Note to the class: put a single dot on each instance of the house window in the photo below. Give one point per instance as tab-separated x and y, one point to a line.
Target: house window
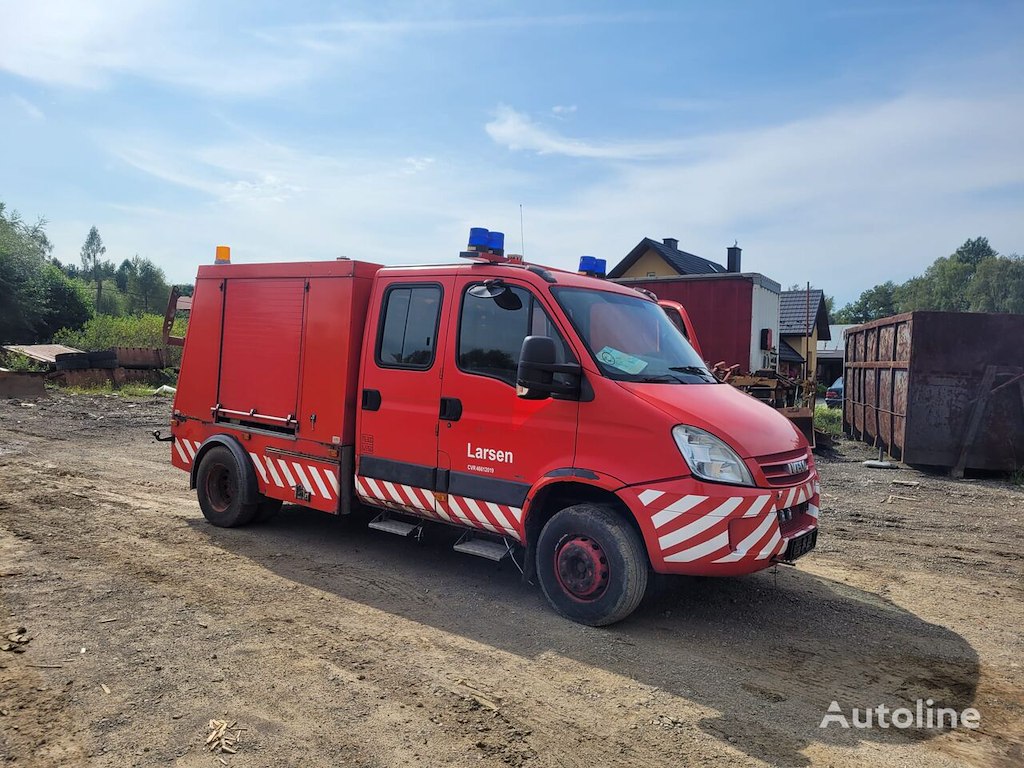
651	274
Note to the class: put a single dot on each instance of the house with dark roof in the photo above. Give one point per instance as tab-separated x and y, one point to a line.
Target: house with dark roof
803	322
735	314
653	259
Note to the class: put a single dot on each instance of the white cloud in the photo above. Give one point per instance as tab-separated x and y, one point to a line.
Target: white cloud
28	107
847	198
518	131
561	110
844	199
275	202
417	164
210	48
88	44
433	25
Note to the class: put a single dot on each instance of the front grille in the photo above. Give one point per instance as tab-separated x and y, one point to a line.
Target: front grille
775	467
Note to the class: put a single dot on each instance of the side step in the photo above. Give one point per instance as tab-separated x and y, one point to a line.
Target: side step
391	525
492	550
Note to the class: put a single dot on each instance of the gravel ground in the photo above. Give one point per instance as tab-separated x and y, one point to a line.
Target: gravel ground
333	645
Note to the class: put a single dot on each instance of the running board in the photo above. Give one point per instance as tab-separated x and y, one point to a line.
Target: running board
391	525
492	550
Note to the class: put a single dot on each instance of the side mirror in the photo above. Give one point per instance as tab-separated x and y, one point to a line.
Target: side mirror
535	376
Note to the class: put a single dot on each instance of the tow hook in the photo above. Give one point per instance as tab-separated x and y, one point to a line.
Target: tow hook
168	439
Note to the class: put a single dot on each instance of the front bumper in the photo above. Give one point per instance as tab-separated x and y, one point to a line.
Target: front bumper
705	529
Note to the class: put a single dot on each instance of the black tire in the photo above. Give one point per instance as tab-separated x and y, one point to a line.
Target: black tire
219	487
267	509
102	356
592	565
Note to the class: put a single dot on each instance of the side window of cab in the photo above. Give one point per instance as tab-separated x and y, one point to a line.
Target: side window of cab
492	329
407	335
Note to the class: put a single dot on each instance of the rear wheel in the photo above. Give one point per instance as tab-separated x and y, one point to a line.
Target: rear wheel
591	565
218	485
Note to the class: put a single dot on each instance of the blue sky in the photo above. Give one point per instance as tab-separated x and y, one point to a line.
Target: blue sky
840	144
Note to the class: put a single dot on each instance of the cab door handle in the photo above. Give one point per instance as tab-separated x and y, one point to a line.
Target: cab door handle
451	409
371	400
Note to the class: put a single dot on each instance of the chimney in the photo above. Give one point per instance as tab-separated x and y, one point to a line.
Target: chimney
733	258
672	243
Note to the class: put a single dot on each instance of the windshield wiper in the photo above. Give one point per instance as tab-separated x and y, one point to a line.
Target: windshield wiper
660	378
696	370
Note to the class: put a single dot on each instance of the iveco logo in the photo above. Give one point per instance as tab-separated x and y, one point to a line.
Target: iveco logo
796	467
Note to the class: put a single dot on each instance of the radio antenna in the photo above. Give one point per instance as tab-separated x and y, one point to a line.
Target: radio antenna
522	235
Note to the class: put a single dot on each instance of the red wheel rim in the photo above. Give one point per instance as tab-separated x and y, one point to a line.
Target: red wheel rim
219	489
581	568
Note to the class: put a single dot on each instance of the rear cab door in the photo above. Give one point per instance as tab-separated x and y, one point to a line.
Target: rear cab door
400	391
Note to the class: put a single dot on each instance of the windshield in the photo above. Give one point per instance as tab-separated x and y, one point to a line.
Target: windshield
631	338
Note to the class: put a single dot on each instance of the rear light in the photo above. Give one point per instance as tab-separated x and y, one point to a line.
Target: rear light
832	393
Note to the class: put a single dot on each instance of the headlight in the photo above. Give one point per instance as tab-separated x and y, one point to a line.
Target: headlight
709	457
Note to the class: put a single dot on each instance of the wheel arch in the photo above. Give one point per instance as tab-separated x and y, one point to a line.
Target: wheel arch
556	495
249	486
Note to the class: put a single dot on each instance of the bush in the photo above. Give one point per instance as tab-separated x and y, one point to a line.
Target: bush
12	361
105	331
828	420
68	302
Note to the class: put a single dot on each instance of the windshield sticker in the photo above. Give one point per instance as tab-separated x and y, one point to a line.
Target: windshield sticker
621	360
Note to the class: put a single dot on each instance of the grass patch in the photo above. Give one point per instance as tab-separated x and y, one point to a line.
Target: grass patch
828	420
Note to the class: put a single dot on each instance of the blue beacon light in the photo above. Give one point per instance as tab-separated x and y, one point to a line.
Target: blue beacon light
496	242
479	238
593	266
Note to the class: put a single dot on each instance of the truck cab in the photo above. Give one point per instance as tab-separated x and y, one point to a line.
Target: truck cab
551	416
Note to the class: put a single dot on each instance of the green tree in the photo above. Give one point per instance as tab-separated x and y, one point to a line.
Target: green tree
68	269
147	286
124	272
943	286
67	302
38	298
23	250
92	251
110	301
973	252
872	304
973	278
998	285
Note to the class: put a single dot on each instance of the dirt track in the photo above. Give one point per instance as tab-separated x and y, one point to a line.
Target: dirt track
338	646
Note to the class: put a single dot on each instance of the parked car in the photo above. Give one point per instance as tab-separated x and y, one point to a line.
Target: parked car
834	394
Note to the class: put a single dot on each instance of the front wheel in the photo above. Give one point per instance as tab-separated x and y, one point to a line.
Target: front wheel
591	565
219	487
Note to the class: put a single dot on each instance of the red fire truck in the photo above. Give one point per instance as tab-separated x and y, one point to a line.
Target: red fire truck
551	417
